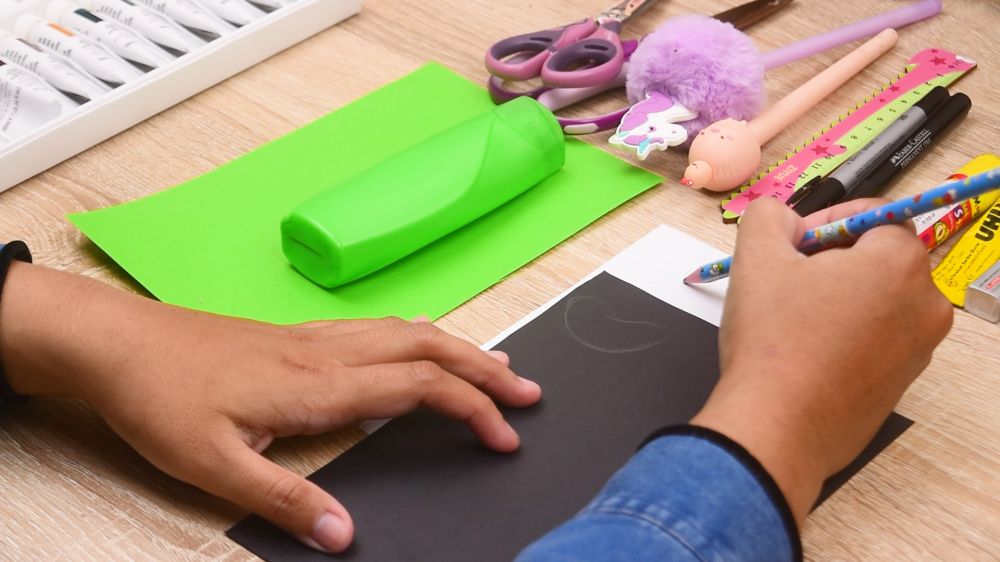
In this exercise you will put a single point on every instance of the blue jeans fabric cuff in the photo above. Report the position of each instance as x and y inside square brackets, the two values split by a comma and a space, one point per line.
[688, 494]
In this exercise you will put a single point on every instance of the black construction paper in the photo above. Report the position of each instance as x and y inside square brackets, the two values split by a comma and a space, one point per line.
[615, 364]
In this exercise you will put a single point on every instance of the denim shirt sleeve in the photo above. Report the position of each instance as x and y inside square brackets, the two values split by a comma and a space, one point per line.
[688, 494]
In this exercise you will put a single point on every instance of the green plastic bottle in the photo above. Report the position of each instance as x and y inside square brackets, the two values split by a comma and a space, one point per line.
[423, 193]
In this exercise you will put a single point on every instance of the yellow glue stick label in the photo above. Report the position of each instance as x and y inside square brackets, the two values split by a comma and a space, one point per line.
[935, 227]
[973, 254]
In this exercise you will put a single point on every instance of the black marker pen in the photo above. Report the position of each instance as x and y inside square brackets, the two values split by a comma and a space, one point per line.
[846, 178]
[904, 153]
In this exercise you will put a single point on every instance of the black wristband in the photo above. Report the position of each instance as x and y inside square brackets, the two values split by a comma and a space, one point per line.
[758, 471]
[15, 250]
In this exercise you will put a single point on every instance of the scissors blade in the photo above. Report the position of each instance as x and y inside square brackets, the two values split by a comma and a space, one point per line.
[624, 10]
[745, 15]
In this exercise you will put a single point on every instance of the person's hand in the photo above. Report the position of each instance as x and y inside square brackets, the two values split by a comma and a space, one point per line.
[815, 351]
[201, 396]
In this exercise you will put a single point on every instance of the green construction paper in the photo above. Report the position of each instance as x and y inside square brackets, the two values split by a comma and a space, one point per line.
[214, 244]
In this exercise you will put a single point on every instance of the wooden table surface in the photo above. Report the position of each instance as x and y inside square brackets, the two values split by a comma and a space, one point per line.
[73, 491]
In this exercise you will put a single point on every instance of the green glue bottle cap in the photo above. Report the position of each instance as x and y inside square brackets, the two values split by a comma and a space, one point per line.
[423, 193]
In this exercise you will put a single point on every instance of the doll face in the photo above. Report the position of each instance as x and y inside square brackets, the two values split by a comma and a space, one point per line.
[722, 138]
[723, 155]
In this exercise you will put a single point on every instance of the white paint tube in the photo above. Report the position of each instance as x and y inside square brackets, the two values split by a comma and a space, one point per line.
[10, 8]
[27, 102]
[58, 71]
[268, 5]
[119, 39]
[193, 17]
[236, 12]
[92, 57]
[153, 26]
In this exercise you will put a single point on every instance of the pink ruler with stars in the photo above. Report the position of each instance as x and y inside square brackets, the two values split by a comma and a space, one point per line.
[832, 146]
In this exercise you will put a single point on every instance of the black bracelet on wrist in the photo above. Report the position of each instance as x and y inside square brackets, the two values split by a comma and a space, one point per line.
[15, 250]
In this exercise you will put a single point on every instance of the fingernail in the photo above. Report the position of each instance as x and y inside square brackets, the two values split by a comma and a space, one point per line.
[530, 384]
[513, 432]
[499, 355]
[422, 319]
[331, 533]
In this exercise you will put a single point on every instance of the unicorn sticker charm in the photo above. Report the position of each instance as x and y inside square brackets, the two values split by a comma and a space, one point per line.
[652, 124]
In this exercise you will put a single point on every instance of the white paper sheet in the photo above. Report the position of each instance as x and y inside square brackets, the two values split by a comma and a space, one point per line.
[657, 264]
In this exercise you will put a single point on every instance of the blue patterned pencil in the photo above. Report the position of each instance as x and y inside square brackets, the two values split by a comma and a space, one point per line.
[843, 231]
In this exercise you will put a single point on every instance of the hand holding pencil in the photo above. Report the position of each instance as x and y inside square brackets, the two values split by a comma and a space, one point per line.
[815, 352]
[845, 230]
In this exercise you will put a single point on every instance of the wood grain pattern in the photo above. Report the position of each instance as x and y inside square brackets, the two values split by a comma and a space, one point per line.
[74, 491]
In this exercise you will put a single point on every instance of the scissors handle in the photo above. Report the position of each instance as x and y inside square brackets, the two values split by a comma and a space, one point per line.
[500, 94]
[745, 15]
[559, 98]
[532, 50]
[588, 62]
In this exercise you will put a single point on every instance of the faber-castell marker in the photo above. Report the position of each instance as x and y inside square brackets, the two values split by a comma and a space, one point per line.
[904, 153]
[843, 231]
[843, 180]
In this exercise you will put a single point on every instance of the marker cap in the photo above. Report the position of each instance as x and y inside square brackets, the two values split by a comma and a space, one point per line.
[820, 197]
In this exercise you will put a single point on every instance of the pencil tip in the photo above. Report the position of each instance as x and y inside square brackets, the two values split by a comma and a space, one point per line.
[692, 279]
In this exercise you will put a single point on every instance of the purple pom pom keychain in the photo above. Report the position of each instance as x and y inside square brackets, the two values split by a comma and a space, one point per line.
[693, 70]
[696, 70]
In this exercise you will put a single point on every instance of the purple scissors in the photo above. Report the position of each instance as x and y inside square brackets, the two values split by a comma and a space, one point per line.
[580, 55]
[540, 47]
